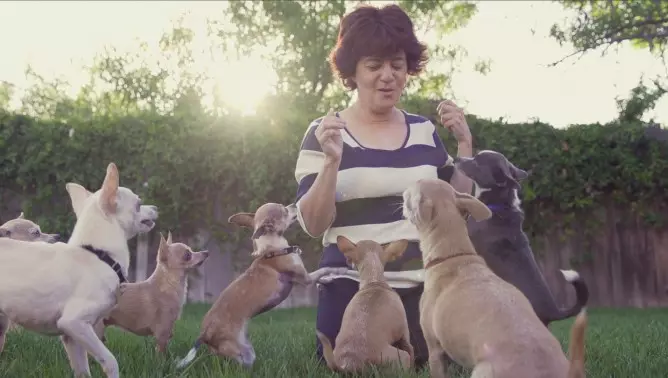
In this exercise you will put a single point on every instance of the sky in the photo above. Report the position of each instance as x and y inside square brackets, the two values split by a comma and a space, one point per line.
[519, 87]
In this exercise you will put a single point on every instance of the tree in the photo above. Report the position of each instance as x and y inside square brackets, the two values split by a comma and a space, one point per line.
[604, 24]
[596, 24]
[298, 36]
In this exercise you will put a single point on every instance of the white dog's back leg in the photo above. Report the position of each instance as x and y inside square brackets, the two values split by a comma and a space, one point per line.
[77, 356]
[483, 370]
[4, 325]
[73, 324]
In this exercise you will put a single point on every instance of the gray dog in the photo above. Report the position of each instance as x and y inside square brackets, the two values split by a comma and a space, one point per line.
[501, 241]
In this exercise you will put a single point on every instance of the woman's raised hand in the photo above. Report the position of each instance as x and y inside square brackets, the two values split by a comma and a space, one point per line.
[328, 134]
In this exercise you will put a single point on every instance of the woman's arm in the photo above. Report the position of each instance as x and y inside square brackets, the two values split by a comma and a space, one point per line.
[317, 207]
[316, 175]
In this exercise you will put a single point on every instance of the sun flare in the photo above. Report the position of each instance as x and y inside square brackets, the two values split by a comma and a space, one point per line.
[242, 84]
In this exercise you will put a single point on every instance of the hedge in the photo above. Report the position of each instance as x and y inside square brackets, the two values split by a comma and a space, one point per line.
[192, 167]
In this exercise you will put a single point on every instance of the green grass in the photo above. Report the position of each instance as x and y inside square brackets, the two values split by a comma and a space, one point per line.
[620, 343]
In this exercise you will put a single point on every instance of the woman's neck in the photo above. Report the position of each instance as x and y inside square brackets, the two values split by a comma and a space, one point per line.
[368, 116]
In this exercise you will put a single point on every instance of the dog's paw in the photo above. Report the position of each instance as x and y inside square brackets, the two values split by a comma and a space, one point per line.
[328, 278]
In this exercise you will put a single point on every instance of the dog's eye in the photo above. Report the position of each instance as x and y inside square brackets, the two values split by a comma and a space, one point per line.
[34, 232]
[187, 256]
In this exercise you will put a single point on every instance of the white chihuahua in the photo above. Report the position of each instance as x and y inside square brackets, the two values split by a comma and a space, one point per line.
[63, 289]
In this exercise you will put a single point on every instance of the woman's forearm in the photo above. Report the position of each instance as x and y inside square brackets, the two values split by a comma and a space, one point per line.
[318, 205]
[459, 181]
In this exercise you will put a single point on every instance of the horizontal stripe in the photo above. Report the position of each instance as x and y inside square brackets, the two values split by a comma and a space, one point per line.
[380, 233]
[331, 256]
[304, 185]
[379, 182]
[368, 211]
[308, 162]
[419, 134]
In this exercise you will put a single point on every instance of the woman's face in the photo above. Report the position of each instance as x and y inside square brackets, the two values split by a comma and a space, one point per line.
[380, 82]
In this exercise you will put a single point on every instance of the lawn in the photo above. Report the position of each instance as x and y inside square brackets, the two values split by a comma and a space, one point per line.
[620, 343]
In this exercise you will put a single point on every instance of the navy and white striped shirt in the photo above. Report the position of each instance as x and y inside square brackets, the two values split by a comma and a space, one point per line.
[370, 184]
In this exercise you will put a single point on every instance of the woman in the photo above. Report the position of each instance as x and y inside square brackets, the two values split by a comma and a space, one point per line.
[354, 165]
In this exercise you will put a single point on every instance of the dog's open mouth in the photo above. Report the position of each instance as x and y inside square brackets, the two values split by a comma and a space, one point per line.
[148, 223]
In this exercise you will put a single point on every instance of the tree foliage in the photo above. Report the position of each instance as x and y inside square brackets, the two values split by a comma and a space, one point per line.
[145, 110]
[299, 35]
[608, 23]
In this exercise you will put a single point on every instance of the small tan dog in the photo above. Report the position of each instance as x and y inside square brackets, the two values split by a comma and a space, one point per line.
[469, 313]
[375, 318]
[264, 285]
[151, 307]
[20, 228]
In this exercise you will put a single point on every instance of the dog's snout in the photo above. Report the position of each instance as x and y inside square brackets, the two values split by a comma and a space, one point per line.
[205, 255]
[56, 237]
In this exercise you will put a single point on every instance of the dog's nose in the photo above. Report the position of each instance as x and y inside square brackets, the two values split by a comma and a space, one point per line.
[205, 254]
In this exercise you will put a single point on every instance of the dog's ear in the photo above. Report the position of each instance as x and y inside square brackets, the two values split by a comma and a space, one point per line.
[394, 250]
[162, 248]
[517, 173]
[243, 219]
[346, 246]
[169, 237]
[78, 195]
[478, 210]
[20, 216]
[109, 191]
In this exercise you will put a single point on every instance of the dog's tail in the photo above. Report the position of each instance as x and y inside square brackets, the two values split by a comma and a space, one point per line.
[327, 351]
[192, 353]
[576, 349]
[581, 295]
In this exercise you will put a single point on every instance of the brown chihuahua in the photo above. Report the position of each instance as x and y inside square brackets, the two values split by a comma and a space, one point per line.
[375, 318]
[152, 306]
[264, 285]
[26, 230]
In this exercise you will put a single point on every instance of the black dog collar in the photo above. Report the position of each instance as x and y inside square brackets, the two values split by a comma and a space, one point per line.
[283, 252]
[104, 256]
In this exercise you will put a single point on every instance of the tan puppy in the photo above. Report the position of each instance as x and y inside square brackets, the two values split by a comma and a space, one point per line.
[24, 229]
[265, 284]
[151, 307]
[375, 318]
[469, 313]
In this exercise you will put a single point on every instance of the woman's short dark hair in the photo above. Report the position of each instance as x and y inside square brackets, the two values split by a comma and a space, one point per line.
[379, 32]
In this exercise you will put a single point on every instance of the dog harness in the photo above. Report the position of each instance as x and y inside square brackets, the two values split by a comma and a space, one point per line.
[283, 252]
[104, 256]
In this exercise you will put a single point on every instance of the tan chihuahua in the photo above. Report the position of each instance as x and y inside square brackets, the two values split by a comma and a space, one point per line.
[375, 318]
[24, 229]
[467, 312]
[264, 285]
[151, 307]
